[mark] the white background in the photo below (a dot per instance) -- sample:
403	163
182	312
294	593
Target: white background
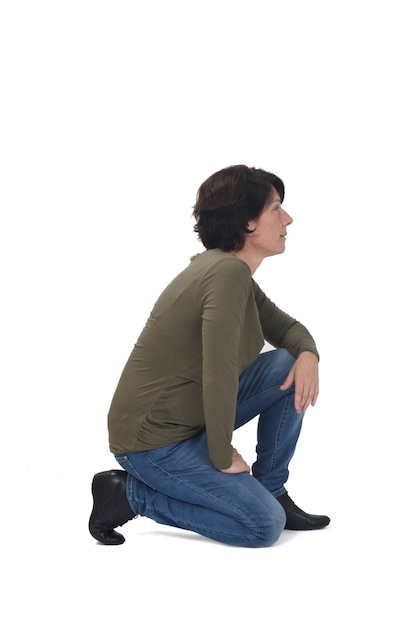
112	114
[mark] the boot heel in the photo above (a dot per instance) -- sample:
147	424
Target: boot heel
110	507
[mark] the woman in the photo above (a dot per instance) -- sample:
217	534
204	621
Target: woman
197	372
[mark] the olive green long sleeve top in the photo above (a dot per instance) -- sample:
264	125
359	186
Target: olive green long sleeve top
206	328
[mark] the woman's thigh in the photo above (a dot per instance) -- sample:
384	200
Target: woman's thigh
183	471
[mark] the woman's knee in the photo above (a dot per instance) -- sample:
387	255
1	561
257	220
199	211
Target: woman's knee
268	531
282	359
268	535
277	364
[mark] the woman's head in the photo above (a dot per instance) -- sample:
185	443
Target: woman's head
228	200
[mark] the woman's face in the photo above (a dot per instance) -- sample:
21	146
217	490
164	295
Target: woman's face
270	228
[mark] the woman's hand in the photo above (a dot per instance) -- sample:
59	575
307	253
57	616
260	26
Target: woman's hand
305	376
238	464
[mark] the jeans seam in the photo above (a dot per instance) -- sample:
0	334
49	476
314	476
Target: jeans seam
278	438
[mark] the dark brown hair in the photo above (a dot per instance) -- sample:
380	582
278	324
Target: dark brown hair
228	200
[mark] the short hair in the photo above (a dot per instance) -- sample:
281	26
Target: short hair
228	200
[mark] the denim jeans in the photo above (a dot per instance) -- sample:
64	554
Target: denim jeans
177	485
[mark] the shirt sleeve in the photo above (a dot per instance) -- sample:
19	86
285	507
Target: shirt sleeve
225	291
280	329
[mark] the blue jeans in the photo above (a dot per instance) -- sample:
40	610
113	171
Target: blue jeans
177	485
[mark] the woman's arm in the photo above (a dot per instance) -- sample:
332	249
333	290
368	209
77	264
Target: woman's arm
224	293
280	329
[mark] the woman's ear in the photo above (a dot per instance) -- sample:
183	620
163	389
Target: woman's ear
251	226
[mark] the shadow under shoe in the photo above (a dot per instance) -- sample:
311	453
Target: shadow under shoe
297	519
111	507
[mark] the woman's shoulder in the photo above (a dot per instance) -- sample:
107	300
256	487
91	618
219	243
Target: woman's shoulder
221	262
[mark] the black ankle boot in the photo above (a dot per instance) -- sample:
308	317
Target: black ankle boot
298	519
110	506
